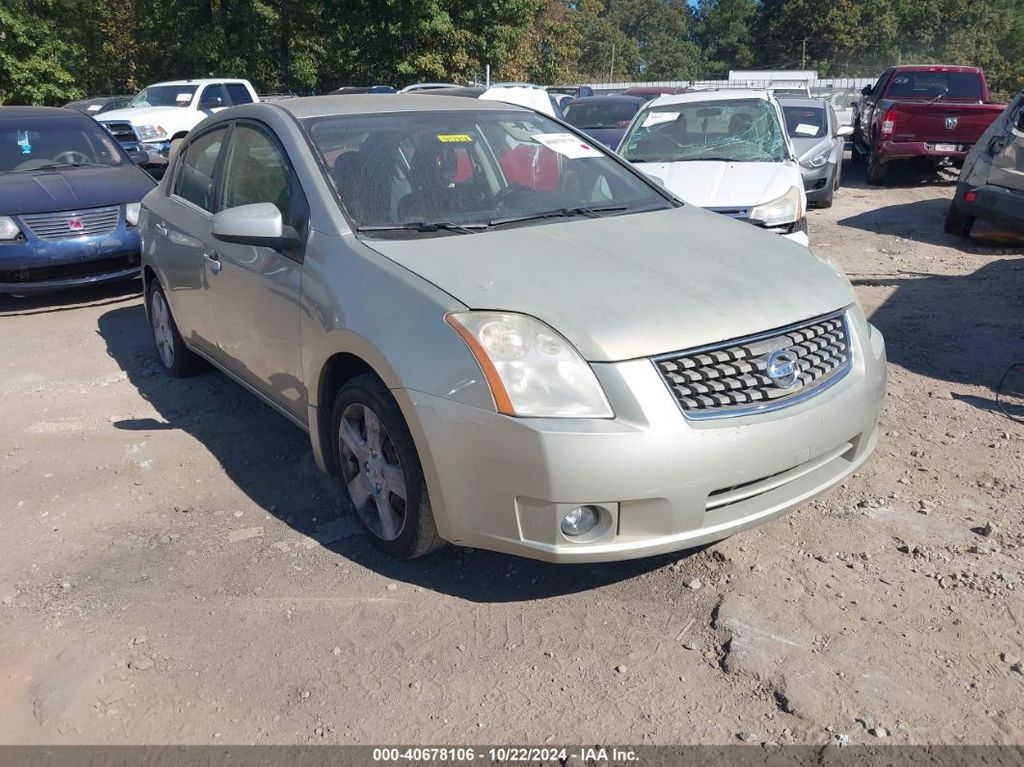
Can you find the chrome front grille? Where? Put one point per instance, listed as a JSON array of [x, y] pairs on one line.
[[763, 372], [122, 131], [73, 223]]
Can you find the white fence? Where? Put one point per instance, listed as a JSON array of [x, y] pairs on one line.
[[819, 85]]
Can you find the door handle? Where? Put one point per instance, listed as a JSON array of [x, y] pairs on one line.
[[160, 228], [212, 261]]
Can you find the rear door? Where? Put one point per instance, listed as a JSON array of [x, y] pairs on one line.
[[179, 229], [1008, 162], [254, 293]]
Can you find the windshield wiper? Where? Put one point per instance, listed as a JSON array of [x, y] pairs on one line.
[[56, 165], [589, 212], [425, 226]]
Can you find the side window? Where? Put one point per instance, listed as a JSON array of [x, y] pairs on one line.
[[256, 170], [195, 179], [213, 96], [239, 94], [876, 92]]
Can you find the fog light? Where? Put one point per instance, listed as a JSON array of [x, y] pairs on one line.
[[579, 521]]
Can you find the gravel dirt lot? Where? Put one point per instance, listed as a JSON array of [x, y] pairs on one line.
[[174, 569]]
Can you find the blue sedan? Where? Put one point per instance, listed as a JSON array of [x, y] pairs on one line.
[[69, 202]]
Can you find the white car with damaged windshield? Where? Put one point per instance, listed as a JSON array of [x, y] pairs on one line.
[[725, 151]]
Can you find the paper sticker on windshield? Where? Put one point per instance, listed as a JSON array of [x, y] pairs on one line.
[[803, 129], [566, 144], [455, 138], [95, 107], [183, 98], [656, 118]]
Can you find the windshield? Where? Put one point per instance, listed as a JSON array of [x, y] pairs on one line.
[[738, 130], [587, 115], [965, 86], [47, 143], [805, 122], [478, 168], [164, 96]]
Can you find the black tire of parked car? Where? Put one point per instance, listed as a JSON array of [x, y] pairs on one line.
[[418, 535], [958, 222], [876, 170], [185, 361]]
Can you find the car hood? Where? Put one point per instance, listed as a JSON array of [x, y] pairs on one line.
[[633, 286], [806, 148], [72, 189], [718, 184], [143, 115], [610, 137]]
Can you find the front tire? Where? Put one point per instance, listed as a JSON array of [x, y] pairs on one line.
[[177, 360], [379, 469]]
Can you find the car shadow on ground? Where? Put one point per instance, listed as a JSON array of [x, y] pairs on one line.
[[270, 460], [924, 220], [69, 300], [963, 329], [902, 174]]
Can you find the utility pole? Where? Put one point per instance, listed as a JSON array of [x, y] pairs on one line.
[[803, 55], [611, 69]]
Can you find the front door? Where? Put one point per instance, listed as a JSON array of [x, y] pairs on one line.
[[180, 231], [254, 293]]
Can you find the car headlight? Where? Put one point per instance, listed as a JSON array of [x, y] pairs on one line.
[[782, 210], [131, 213], [818, 160], [8, 229], [531, 369], [150, 132]]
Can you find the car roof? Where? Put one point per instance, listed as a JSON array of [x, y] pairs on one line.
[[622, 98], [796, 101], [203, 81], [24, 112], [321, 106], [722, 95], [935, 68]]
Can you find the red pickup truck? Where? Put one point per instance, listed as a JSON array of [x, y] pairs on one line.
[[921, 111]]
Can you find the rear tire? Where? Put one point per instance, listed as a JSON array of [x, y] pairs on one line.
[[876, 170], [177, 360], [379, 469], [958, 222]]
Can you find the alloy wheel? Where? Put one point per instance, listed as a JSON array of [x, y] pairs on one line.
[[162, 332], [372, 471]]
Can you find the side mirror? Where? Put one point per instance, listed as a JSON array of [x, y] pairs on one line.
[[139, 156], [844, 131], [259, 225], [211, 103], [866, 90]]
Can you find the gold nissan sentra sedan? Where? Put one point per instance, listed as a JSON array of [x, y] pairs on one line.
[[501, 335]]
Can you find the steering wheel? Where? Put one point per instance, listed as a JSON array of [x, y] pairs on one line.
[[498, 198], [71, 157]]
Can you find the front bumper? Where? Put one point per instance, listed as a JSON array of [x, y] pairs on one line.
[[902, 150], [661, 482], [32, 265], [994, 204], [818, 181]]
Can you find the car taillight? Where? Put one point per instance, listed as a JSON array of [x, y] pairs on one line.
[[888, 123], [970, 196]]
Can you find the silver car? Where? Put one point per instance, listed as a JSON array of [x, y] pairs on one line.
[[501, 335], [818, 140]]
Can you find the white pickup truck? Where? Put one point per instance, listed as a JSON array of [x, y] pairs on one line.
[[163, 112]]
